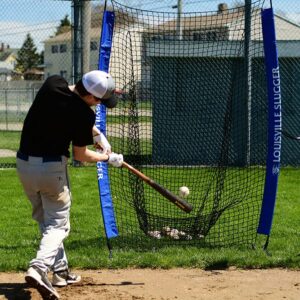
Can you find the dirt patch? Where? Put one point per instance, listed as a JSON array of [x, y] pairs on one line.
[[185, 284]]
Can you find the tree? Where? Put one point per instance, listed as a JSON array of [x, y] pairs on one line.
[[65, 25], [28, 57]]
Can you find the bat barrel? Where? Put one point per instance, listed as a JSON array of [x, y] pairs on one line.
[[182, 204]]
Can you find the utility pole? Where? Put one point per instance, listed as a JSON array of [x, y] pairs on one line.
[[179, 19], [76, 40], [86, 36], [76, 52], [81, 38]]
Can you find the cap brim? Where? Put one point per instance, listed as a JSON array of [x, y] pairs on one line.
[[111, 102]]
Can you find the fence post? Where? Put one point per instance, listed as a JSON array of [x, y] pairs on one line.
[[77, 51], [86, 39], [76, 40], [6, 109], [248, 77]]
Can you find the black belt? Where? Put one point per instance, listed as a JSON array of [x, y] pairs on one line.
[[53, 158]]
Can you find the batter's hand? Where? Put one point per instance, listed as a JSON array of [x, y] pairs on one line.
[[116, 160], [102, 144]]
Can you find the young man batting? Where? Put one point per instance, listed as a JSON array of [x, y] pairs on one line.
[[59, 115]]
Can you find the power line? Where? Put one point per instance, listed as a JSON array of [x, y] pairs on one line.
[[200, 1], [28, 29]]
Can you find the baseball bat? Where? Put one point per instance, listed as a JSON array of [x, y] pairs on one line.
[[163, 191]]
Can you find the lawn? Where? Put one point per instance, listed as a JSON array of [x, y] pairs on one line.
[[9, 139], [86, 245]]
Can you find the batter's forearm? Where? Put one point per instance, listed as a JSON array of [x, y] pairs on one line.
[[86, 155], [95, 131]]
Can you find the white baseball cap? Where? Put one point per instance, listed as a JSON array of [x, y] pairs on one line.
[[101, 85]]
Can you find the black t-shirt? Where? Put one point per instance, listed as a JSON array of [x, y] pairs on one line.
[[57, 117]]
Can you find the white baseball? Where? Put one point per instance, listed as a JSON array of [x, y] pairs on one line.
[[184, 191], [174, 234], [155, 234]]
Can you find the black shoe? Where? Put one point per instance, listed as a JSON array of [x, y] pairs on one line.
[[63, 278], [38, 279]]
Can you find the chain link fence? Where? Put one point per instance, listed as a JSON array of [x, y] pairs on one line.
[[39, 38]]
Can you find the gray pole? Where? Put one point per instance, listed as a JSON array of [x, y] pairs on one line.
[[179, 20], [248, 73], [77, 51], [76, 41], [86, 37]]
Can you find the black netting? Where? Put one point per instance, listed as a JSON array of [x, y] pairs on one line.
[[193, 113], [289, 70]]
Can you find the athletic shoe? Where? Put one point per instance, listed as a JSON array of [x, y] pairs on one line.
[[38, 279], [63, 278]]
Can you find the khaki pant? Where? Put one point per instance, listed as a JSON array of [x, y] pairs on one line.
[[46, 185]]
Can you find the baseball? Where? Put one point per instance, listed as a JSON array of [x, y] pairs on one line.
[[155, 234], [184, 191]]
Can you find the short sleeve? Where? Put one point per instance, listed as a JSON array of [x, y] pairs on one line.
[[82, 131]]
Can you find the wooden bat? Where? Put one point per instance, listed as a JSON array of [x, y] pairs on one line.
[[164, 192]]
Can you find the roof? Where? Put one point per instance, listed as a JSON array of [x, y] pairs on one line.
[[94, 33], [6, 71], [205, 20], [287, 20], [6, 54], [286, 30], [190, 22], [35, 71]]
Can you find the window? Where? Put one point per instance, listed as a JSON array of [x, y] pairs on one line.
[[54, 48], [157, 38], [212, 36], [62, 48], [94, 46], [199, 36]]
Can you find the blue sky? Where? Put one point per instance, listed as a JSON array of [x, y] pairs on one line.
[[41, 17], [202, 5]]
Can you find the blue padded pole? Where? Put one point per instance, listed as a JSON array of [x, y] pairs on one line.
[[274, 122], [102, 167]]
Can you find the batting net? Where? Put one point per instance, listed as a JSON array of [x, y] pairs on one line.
[[193, 113]]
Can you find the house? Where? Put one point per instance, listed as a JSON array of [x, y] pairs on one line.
[[156, 62], [191, 69], [58, 54], [223, 26], [8, 59], [34, 74]]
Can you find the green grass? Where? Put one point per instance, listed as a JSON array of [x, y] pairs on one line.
[[145, 105], [20, 117], [86, 245], [111, 119], [10, 140]]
